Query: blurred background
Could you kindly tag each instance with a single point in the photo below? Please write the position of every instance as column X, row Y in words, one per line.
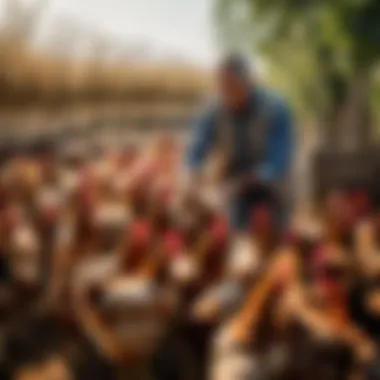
column 67, row 66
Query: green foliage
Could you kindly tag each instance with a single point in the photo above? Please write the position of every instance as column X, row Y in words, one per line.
column 312, row 48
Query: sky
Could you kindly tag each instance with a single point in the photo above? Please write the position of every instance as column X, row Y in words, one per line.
column 175, row 28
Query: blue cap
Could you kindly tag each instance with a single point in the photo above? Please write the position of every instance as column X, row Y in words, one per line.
column 237, row 65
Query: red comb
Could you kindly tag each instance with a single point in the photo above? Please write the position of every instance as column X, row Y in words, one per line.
column 291, row 237
column 141, row 233
column 261, row 218
column 219, row 232
column 173, row 244
column 331, row 286
column 318, row 257
column 361, row 202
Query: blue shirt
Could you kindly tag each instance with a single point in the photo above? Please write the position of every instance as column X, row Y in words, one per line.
column 277, row 161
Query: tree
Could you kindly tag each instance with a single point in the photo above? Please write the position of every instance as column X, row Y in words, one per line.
column 325, row 52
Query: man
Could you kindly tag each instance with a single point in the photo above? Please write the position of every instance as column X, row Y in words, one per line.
column 252, row 130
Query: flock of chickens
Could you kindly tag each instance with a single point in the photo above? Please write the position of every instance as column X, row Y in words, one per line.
column 110, row 246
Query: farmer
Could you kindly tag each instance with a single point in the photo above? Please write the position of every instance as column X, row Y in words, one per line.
column 250, row 132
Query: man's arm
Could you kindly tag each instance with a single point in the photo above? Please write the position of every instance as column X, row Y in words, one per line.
column 200, row 144
column 280, row 145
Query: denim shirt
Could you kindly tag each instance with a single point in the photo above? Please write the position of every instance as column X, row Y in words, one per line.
column 277, row 161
